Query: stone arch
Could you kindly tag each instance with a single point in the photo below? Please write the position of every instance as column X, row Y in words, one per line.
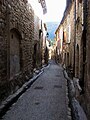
column 15, row 58
column 83, row 60
column 77, row 61
column 67, row 59
column 35, row 55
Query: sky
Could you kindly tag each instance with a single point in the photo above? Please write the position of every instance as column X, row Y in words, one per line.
column 55, row 9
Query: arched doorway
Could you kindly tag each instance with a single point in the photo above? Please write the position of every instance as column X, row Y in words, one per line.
column 77, row 61
column 65, row 61
column 35, row 56
column 68, row 59
column 83, row 60
column 15, row 39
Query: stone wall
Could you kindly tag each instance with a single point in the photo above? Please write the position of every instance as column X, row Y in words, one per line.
column 16, row 30
column 79, row 47
column 72, row 36
column 68, row 25
column 79, row 31
column 37, row 43
column 87, row 76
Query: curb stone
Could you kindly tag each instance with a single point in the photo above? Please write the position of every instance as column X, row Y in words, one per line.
column 69, row 116
column 68, row 108
column 14, row 97
column 76, row 110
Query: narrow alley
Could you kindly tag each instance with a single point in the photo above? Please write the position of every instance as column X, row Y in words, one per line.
column 45, row 100
column 45, row 59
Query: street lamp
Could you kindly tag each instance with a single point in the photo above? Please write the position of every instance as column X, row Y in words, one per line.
column 47, row 34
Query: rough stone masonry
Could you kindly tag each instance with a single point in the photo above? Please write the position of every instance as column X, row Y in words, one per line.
column 16, row 37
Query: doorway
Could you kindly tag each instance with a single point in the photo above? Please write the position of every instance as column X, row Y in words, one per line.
column 14, row 52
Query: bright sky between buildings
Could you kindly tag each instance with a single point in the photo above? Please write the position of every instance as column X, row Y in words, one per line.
column 55, row 9
column 37, row 8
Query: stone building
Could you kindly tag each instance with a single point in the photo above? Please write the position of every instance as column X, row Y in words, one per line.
column 58, row 44
column 86, row 57
column 17, row 35
column 39, row 10
column 78, row 36
column 82, row 55
column 40, row 38
column 36, row 43
column 65, row 50
column 75, row 46
column 44, row 45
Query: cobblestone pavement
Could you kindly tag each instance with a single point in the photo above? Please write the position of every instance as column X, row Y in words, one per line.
column 44, row 100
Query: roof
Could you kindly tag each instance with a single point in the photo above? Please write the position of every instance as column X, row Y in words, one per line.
column 68, row 6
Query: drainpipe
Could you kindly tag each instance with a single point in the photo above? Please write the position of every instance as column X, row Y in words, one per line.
column 74, row 37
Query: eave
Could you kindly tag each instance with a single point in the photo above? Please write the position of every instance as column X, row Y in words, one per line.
column 43, row 4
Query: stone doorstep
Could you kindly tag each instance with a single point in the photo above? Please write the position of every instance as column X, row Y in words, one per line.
column 14, row 97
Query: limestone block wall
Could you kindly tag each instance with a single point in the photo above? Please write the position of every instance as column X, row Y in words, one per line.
column 69, row 25
column 87, row 76
column 37, row 43
column 79, row 31
column 16, row 36
column 72, row 36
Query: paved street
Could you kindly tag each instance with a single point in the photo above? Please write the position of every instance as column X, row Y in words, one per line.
column 44, row 100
